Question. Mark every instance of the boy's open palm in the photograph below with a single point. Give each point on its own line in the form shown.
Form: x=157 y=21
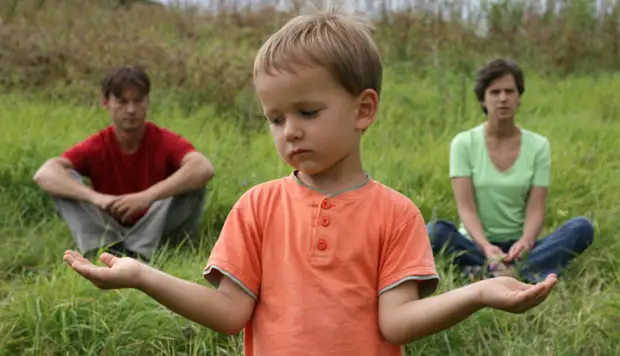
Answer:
x=508 y=294
x=120 y=272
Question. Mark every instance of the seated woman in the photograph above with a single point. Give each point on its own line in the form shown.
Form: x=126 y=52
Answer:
x=500 y=174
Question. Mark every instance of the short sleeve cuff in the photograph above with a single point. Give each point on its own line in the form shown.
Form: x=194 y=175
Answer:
x=216 y=269
x=460 y=162
x=427 y=277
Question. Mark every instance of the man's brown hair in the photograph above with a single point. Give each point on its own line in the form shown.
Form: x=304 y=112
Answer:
x=119 y=79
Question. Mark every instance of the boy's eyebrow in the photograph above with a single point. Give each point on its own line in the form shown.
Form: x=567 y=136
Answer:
x=297 y=104
x=307 y=103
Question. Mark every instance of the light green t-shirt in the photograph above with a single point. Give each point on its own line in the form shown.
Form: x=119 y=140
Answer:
x=501 y=197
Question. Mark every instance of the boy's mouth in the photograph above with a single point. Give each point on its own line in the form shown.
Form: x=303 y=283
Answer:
x=299 y=151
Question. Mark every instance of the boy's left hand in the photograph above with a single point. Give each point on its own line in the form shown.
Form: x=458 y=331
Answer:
x=510 y=295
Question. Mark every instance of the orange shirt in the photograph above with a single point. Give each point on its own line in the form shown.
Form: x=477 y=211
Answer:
x=316 y=265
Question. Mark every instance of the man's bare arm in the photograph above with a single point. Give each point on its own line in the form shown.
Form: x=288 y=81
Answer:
x=195 y=172
x=225 y=310
x=54 y=178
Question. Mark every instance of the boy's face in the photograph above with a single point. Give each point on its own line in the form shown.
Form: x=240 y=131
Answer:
x=315 y=122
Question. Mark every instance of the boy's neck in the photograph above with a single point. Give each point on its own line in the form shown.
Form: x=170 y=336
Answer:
x=344 y=175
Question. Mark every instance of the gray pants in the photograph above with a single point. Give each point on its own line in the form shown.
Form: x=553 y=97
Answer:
x=174 y=217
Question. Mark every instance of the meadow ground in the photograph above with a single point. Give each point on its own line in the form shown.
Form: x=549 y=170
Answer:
x=46 y=309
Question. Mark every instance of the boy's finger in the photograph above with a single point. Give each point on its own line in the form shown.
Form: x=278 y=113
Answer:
x=73 y=256
x=537 y=294
x=532 y=291
x=70 y=257
x=91 y=272
x=108 y=259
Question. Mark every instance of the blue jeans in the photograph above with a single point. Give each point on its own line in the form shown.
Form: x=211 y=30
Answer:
x=551 y=254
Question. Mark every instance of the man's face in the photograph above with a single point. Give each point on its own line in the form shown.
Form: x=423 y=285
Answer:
x=501 y=98
x=129 y=111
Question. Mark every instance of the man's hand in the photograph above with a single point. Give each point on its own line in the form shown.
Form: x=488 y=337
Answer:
x=103 y=201
x=510 y=295
x=517 y=250
x=120 y=272
x=126 y=206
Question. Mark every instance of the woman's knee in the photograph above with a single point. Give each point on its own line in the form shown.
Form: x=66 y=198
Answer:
x=437 y=227
x=583 y=230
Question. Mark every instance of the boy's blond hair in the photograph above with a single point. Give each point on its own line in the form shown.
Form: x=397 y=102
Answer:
x=339 y=42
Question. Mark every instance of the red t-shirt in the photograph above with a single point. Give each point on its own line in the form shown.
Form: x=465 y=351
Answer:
x=115 y=172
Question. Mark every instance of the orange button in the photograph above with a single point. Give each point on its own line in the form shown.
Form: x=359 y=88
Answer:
x=322 y=245
x=325 y=204
x=325 y=221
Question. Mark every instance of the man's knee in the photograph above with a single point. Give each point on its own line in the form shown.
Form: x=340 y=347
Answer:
x=67 y=206
x=188 y=205
x=195 y=197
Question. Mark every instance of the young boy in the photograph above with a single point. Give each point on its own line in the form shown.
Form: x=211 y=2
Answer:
x=325 y=261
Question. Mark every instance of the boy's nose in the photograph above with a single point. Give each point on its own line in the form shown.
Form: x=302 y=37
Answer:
x=292 y=132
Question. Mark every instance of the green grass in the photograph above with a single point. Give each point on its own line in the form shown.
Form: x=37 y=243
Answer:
x=46 y=309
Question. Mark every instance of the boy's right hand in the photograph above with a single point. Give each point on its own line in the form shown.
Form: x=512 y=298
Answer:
x=120 y=272
x=510 y=295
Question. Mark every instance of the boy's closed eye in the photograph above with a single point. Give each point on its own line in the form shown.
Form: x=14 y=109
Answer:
x=308 y=114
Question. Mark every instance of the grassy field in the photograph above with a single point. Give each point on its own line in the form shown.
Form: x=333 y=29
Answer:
x=48 y=310
x=52 y=56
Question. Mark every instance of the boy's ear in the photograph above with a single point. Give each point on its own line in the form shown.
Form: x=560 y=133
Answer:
x=368 y=106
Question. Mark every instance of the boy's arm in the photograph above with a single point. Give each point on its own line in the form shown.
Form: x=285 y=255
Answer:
x=225 y=310
x=234 y=267
x=404 y=318
x=407 y=278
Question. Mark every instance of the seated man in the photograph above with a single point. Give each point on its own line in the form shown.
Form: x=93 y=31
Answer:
x=500 y=174
x=147 y=182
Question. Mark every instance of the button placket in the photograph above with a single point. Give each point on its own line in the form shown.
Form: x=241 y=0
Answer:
x=324 y=221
